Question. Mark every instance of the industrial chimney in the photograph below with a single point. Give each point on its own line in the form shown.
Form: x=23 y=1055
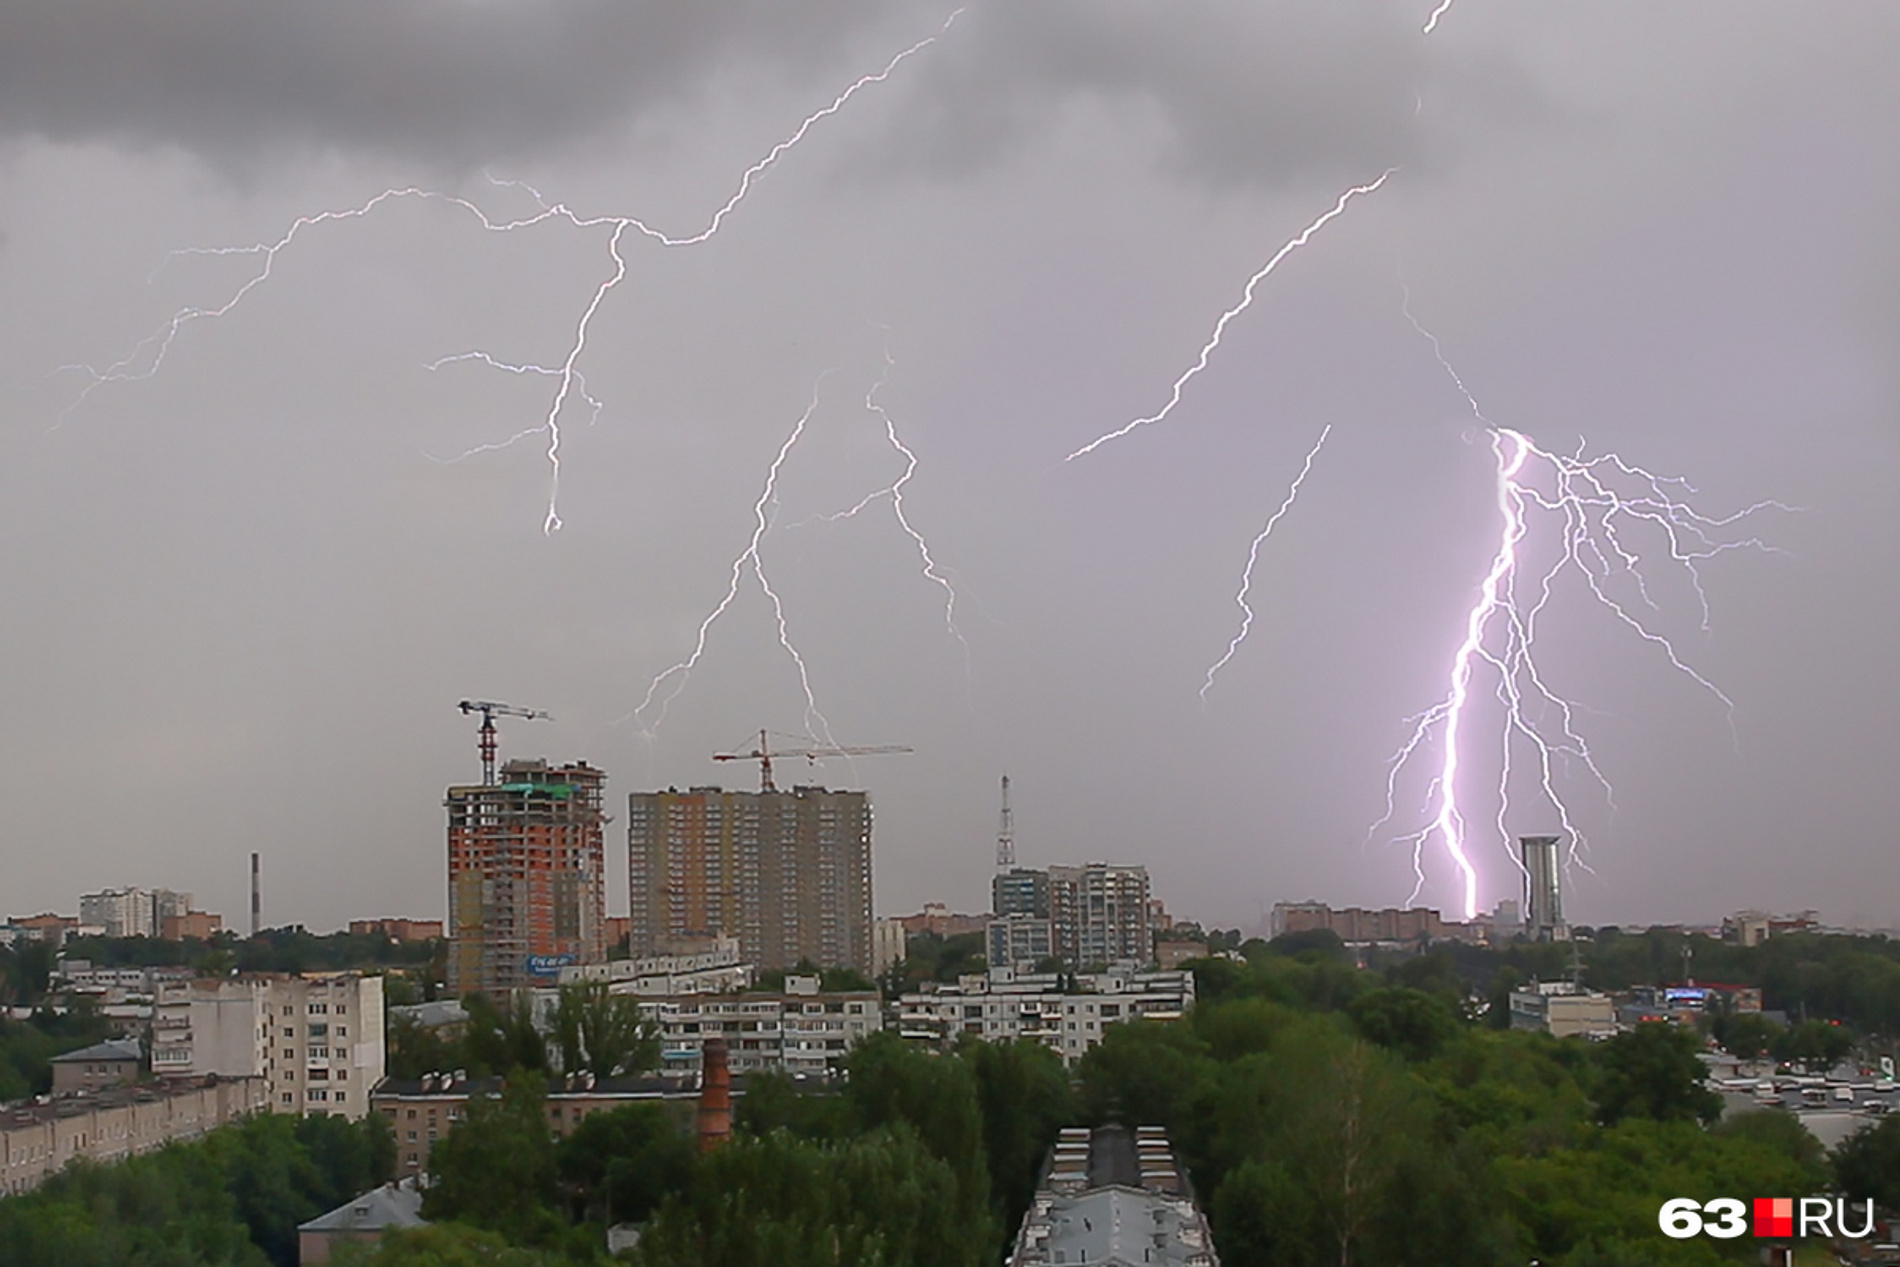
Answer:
x=257 y=905
x=715 y=1095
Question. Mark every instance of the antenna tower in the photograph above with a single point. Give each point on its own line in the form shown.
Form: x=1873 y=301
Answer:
x=1006 y=834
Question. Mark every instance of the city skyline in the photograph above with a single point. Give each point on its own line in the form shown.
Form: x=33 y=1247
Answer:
x=817 y=308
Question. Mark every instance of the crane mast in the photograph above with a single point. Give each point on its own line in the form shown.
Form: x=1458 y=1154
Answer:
x=764 y=753
x=490 y=710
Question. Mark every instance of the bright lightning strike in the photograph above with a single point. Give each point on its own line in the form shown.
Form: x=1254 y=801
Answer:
x=1253 y=556
x=1599 y=503
x=1431 y=23
x=748 y=558
x=1246 y=300
x=149 y=354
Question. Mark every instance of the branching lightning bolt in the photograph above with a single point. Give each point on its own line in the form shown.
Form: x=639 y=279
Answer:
x=1220 y=327
x=1500 y=629
x=1253 y=556
x=149 y=354
x=748 y=558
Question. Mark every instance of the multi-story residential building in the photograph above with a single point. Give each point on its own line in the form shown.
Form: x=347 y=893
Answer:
x=1019 y=941
x=527 y=876
x=132 y=912
x=1020 y=891
x=1004 y=1005
x=317 y=1040
x=1100 y=914
x=787 y=872
x=397 y=929
x=707 y=965
x=1357 y=926
x=40 y=1137
x=801 y=1031
x=889 y=944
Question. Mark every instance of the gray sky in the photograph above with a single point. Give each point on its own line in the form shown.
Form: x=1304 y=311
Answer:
x=245 y=590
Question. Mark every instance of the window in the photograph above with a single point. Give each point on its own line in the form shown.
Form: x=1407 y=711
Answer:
x=318 y=1093
x=318 y=1009
x=290 y=1053
x=340 y=1095
x=342 y=1009
x=343 y=1073
x=289 y=1010
x=288 y=1097
x=319 y=1030
x=342 y=1031
x=319 y=1053
x=290 y=1031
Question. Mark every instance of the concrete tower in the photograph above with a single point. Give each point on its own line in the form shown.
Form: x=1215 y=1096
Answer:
x=1543 y=897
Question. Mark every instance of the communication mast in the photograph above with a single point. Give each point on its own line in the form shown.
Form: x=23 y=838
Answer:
x=1006 y=834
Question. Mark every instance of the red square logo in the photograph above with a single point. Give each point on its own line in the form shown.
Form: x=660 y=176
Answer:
x=1774 y=1216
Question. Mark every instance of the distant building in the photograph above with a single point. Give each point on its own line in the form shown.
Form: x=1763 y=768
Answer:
x=1562 y=1010
x=107 y=1064
x=1020 y=891
x=801 y=1031
x=1752 y=928
x=889 y=945
x=706 y=965
x=51 y=929
x=317 y=1040
x=1170 y=955
x=1019 y=941
x=198 y=925
x=1543 y=889
x=1358 y=926
x=1096 y=914
x=1113 y=1197
x=527 y=876
x=131 y=912
x=39 y=1139
x=421 y=1111
x=787 y=872
x=938 y=920
x=404 y=930
x=360 y=1220
x=1067 y=1013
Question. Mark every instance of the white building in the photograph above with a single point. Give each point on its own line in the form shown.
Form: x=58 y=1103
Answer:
x=1002 y=1005
x=889 y=944
x=1562 y=1010
x=131 y=912
x=712 y=969
x=1111 y=1198
x=317 y=1039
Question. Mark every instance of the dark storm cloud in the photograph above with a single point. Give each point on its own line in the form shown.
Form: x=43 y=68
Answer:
x=445 y=81
x=1248 y=93
x=1255 y=93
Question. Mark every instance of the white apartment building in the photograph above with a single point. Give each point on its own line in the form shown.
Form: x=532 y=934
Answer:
x=317 y=1039
x=131 y=912
x=1003 y=1005
x=712 y=969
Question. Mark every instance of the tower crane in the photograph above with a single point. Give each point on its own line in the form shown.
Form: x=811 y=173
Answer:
x=489 y=710
x=764 y=753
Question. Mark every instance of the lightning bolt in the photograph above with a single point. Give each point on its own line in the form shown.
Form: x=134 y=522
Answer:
x=1586 y=496
x=1246 y=300
x=484 y=358
x=1253 y=556
x=679 y=673
x=148 y=356
x=1431 y=23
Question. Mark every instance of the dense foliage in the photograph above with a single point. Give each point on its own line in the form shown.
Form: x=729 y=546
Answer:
x=233 y=1199
x=28 y=1047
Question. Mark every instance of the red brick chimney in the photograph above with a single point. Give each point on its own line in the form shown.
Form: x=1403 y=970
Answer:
x=715 y=1095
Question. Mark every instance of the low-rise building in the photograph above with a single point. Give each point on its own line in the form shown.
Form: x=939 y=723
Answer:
x=421 y=1111
x=317 y=1039
x=109 y=1064
x=40 y=1137
x=361 y=1220
x=1067 y=1013
x=1113 y=1197
x=709 y=965
x=1563 y=1010
x=398 y=929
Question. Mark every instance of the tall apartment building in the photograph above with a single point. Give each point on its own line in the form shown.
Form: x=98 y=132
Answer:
x=317 y=1040
x=787 y=872
x=1087 y=916
x=132 y=912
x=527 y=876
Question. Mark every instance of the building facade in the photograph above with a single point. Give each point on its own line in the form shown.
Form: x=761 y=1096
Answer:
x=787 y=872
x=39 y=1139
x=1100 y=914
x=132 y=912
x=316 y=1040
x=1110 y=1196
x=527 y=876
x=1067 y=1014
x=1359 y=925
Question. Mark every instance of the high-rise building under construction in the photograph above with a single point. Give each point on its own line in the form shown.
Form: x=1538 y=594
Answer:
x=786 y=872
x=527 y=876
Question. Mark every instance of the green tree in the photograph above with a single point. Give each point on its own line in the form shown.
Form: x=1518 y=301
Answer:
x=443 y=1245
x=602 y=1032
x=1025 y=1098
x=1746 y=1035
x=618 y=1166
x=497 y=1169
x=1652 y=1071
x=774 y=1102
x=1816 y=1045
x=1413 y=1023
x=1867 y=1164
x=1142 y=1073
